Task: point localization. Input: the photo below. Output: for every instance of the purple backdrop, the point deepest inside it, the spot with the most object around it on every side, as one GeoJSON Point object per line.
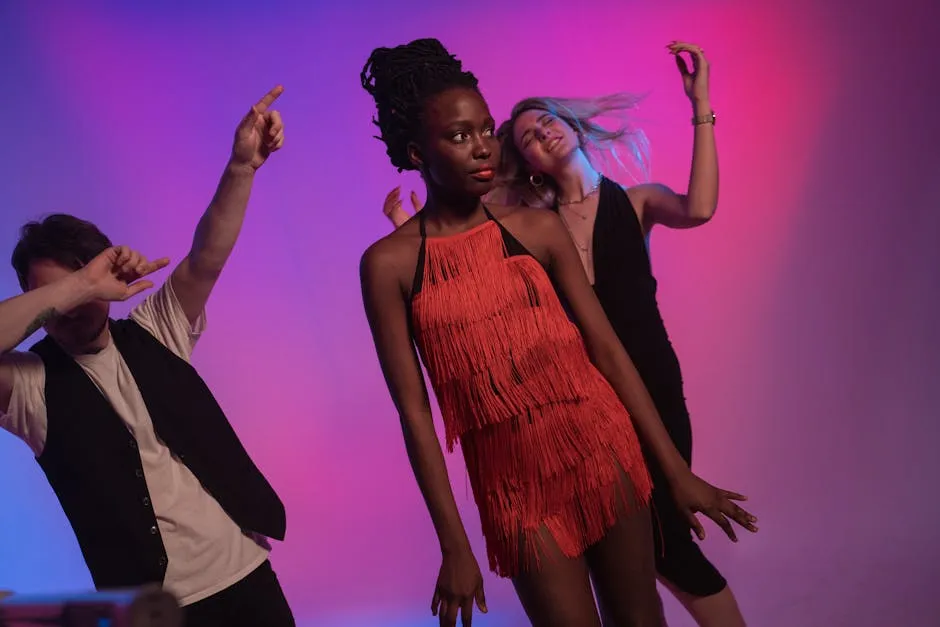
{"type": "Point", "coordinates": [804, 313]}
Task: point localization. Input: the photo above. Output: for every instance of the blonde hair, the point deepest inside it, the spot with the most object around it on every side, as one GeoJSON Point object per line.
{"type": "Point", "coordinates": [602, 146]}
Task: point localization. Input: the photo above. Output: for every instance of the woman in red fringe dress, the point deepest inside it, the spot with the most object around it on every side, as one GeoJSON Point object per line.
{"type": "Point", "coordinates": [538, 404]}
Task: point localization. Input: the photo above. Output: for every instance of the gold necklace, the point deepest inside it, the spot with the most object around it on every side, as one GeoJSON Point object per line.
{"type": "Point", "coordinates": [587, 194]}
{"type": "Point", "coordinates": [583, 247]}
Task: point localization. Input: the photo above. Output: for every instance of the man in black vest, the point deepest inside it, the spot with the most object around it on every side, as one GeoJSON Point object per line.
{"type": "Point", "coordinates": [150, 474]}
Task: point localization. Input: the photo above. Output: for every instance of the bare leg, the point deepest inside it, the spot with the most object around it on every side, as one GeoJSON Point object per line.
{"type": "Point", "coordinates": [558, 593]}
{"type": "Point", "coordinates": [607, 620]}
{"type": "Point", "coordinates": [716, 610]}
{"type": "Point", "coordinates": [624, 570]}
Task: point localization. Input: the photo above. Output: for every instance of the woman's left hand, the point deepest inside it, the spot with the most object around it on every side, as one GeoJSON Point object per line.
{"type": "Point", "coordinates": [693, 495]}
{"type": "Point", "coordinates": [696, 81]}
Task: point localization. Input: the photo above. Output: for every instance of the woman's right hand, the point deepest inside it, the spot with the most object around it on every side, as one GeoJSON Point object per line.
{"type": "Point", "coordinates": [693, 495]}
{"type": "Point", "coordinates": [459, 586]}
{"type": "Point", "coordinates": [393, 209]}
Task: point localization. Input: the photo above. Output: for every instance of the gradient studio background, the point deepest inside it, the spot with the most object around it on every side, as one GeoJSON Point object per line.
{"type": "Point", "coordinates": [804, 314]}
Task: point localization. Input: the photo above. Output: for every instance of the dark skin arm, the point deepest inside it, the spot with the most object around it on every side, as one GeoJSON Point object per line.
{"type": "Point", "coordinates": [611, 359]}
{"type": "Point", "coordinates": [382, 271]}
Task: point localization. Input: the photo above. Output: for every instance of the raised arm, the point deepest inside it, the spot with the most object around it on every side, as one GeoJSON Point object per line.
{"type": "Point", "coordinates": [608, 355]}
{"type": "Point", "coordinates": [260, 133]}
{"type": "Point", "coordinates": [113, 275]}
{"type": "Point", "coordinates": [657, 204]}
{"type": "Point", "coordinates": [460, 581]}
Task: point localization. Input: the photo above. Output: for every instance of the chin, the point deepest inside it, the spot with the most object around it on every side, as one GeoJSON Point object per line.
{"type": "Point", "coordinates": [77, 339]}
{"type": "Point", "coordinates": [483, 190]}
{"type": "Point", "coordinates": [480, 188]}
{"type": "Point", "coordinates": [563, 157]}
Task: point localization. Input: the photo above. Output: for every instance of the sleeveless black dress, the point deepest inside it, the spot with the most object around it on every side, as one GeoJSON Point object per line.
{"type": "Point", "coordinates": [626, 288]}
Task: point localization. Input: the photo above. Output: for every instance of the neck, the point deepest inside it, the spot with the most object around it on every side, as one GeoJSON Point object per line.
{"type": "Point", "coordinates": [93, 347]}
{"type": "Point", "coordinates": [450, 210]}
{"type": "Point", "coordinates": [576, 179]}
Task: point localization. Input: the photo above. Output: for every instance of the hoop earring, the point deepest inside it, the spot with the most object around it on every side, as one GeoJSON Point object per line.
{"type": "Point", "coordinates": [536, 180]}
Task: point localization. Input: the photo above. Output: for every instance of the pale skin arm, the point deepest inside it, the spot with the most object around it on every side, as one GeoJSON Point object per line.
{"type": "Point", "coordinates": [259, 134]}
{"type": "Point", "coordinates": [611, 359]}
{"type": "Point", "coordinates": [113, 275]}
{"type": "Point", "coordinates": [23, 315]}
{"type": "Point", "coordinates": [658, 204]}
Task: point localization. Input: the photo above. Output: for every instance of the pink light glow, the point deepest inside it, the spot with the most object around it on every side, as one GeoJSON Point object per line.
{"type": "Point", "coordinates": [779, 321]}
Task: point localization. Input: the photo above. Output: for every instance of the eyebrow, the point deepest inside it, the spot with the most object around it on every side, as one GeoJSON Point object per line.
{"type": "Point", "coordinates": [538, 120]}
{"type": "Point", "coordinates": [456, 125]}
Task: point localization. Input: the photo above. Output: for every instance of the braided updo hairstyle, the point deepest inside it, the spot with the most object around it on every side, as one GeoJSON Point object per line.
{"type": "Point", "coordinates": [400, 80]}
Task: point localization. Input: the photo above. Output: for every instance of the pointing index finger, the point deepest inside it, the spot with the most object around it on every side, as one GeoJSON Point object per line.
{"type": "Point", "coordinates": [269, 99]}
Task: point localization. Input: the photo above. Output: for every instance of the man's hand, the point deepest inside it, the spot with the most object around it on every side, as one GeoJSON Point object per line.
{"type": "Point", "coordinates": [260, 133]}
{"type": "Point", "coordinates": [116, 274]}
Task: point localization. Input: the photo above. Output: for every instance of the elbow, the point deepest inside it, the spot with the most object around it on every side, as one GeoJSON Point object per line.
{"type": "Point", "coordinates": [416, 424]}
{"type": "Point", "coordinates": [206, 266]}
{"type": "Point", "coordinates": [419, 435]}
{"type": "Point", "coordinates": [605, 358]}
{"type": "Point", "coordinates": [695, 208]}
{"type": "Point", "coordinates": [702, 210]}
{"type": "Point", "coordinates": [709, 212]}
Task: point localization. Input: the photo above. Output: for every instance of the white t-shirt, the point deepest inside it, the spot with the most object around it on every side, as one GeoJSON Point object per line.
{"type": "Point", "coordinates": [206, 550]}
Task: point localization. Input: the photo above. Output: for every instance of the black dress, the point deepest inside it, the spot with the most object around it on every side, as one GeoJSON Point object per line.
{"type": "Point", "coordinates": [626, 288]}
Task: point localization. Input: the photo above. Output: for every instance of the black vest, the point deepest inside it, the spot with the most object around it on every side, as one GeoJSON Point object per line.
{"type": "Point", "coordinates": [92, 462]}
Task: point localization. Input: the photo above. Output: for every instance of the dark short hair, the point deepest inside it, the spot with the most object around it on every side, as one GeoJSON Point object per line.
{"type": "Point", "coordinates": [400, 80]}
{"type": "Point", "coordinates": [64, 239]}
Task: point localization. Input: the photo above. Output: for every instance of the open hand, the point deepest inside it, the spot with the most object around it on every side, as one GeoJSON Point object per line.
{"type": "Point", "coordinates": [459, 586]}
{"type": "Point", "coordinates": [393, 209]}
{"type": "Point", "coordinates": [694, 82]}
{"type": "Point", "coordinates": [260, 132]}
{"type": "Point", "coordinates": [693, 495]}
{"type": "Point", "coordinates": [116, 273]}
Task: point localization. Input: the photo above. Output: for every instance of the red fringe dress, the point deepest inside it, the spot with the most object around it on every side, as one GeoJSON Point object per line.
{"type": "Point", "coordinates": [546, 439]}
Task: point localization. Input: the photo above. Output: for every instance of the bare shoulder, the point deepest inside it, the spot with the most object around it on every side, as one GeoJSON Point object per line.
{"type": "Point", "coordinates": [539, 230]}
{"type": "Point", "coordinates": [394, 256]}
{"type": "Point", "coordinates": [534, 220]}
